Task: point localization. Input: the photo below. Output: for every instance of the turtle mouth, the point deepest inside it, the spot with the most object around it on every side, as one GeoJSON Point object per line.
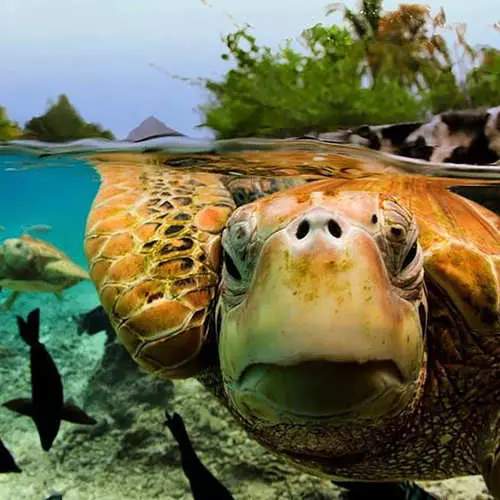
{"type": "Point", "coordinates": [320, 390]}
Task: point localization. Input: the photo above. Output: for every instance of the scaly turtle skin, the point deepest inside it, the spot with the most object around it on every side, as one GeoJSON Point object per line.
{"type": "Point", "coordinates": [29, 264]}
{"type": "Point", "coordinates": [353, 328]}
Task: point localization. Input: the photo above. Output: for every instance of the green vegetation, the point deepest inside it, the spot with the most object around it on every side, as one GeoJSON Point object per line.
{"type": "Point", "coordinates": [60, 123]}
{"type": "Point", "coordinates": [382, 68]}
{"type": "Point", "coordinates": [8, 128]}
{"type": "Point", "coordinates": [483, 82]}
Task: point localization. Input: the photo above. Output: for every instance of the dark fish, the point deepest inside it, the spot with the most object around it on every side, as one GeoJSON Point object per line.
{"type": "Point", "coordinates": [388, 491]}
{"type": "Point", "coordinates": [46, 385]}
{"type": "Point", "coordinates": [7, 462]}
{"type": "Point", "coordinates": [93, 322]}
{"type": "Point", "coordinates": [46, 406]}
{"type": "Point", "coordinates": [204, 485]}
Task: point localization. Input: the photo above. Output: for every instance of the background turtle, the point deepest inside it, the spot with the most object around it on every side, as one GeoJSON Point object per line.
{"type": "Point", "coordinates": [353, 326]}
{"type": "Point", "coordinates": [29, 264]}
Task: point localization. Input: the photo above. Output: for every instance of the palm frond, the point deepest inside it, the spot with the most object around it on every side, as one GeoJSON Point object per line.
{"type": "Point", "coordinates": [357, 23]}
{"type": "Point", "coordinates": [372, 11]}
{"type": "Point", "coordinates": [331, 8]}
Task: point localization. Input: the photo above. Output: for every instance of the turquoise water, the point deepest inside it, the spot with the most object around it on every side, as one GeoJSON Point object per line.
{"type": "Point", "coordinates": [59, 196]}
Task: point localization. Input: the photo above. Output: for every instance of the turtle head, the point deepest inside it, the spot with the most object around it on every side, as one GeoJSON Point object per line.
{"type": "Point", "coordinates": [322, 309]}
{"type": "Point", "coordinates": [17, 253]}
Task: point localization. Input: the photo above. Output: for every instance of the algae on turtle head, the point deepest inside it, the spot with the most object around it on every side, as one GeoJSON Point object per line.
{"type": "Point", "coordinates": [353, 328]}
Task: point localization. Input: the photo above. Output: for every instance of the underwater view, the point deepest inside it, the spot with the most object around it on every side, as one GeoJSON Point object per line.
{"type": "Point", "coordinates": [296, 297]}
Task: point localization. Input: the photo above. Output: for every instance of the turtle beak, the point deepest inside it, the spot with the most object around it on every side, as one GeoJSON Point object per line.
{"type": "Point", "coordinates": [322, 331]}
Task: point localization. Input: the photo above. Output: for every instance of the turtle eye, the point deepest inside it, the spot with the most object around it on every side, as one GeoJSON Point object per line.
{"type": "Point", "coordinates": [241, 234]}
{"type": "Point", "coordinates": [410, 256]}
{"type": "Point", "coordinates": [231, 266]}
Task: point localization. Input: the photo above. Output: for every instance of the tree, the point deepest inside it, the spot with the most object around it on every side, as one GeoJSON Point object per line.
{"type": "Point", "coordinates": [383, 67]}
{"type": "Point", "coordinates": [8, 129]}
{"type": "Point", "coordinates": [364, 26]}
{"type": "Point", "coordinates": [402, 44]}
{"type": "Point", "coordinates": [61, 122]}
{"type": "Point", "coordinates": [483, 82]}
{"type": "Point", "coordinates": [286, 92]}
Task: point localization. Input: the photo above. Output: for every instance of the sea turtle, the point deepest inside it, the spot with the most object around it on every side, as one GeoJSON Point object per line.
{"type": "Point", "coordinates": [29, 264]}
{"type": "Point", "coordinates": [352, 326]}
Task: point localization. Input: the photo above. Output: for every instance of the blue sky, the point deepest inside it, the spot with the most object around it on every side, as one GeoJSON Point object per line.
{"type": "Point", "coordinates": [99, 52]}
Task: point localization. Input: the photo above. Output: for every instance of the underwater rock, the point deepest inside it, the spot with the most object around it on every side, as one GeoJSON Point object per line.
{"type": "Point", "coordinates": [118, 387]}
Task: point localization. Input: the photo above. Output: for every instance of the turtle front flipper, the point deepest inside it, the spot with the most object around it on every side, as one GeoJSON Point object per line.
{"type": "Point", "coordinates": [153, 246]}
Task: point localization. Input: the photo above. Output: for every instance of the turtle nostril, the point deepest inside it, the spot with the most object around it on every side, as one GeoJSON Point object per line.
{"type": "Point", "coordinates": [302, 230]}
{"type": "Point", "coordinates": [334, 229]}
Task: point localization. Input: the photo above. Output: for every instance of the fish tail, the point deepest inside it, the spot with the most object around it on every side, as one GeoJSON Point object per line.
{"type": "Point", "coordinates": [30, 329]}
{"type": "Point", "coordinates": [23, 406]}
{"type": "Point", "coordinates": [74, 414]}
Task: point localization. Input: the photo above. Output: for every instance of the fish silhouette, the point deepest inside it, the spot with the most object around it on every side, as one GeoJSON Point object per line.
{"type": "Point", "coordinates": [46, 406]}
{"type": "Point", "coordinates": [204, 485]}
{"type": "Point", "coordinates": [7, 462]}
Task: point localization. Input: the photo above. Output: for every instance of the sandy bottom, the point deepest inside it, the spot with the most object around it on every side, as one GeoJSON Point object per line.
{"type": "Point", "coordinates": [137, 458]}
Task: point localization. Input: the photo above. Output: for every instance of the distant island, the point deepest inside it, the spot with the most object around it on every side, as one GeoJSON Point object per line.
{"type": "Point", "coordinates": [150, 128]}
